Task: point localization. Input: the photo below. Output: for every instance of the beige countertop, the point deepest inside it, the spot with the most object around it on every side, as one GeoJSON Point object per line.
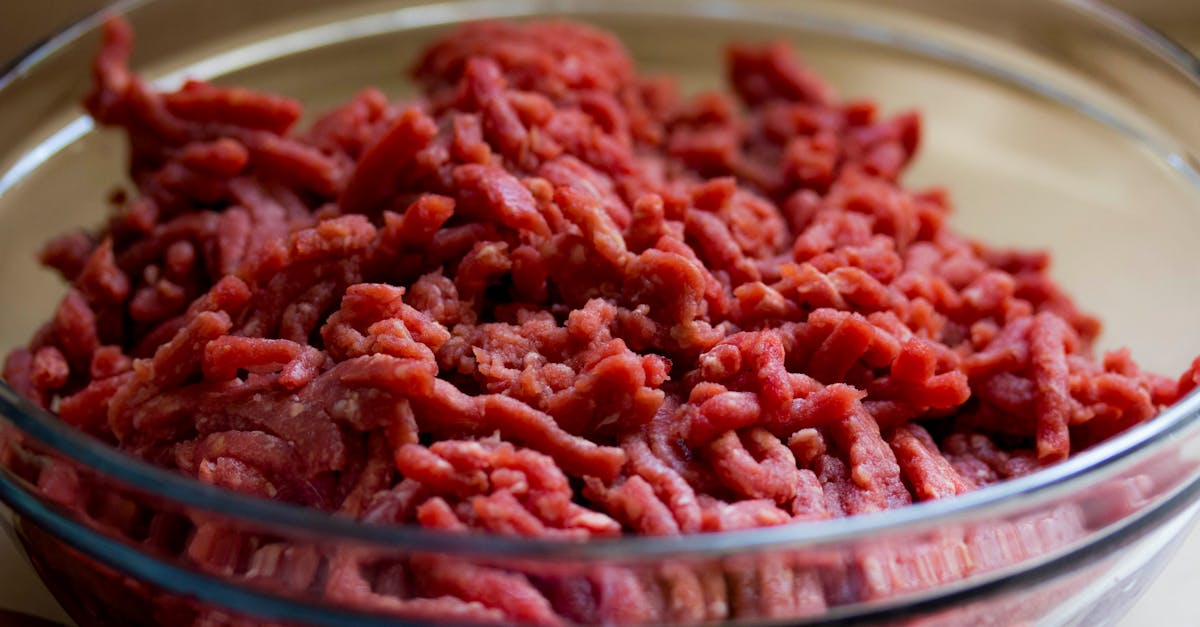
{"type": "Point", "coordinates": [1170, 601]}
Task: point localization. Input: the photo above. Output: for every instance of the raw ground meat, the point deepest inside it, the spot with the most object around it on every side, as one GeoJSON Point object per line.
{"type": "Point", "coordinates": [553, 298]}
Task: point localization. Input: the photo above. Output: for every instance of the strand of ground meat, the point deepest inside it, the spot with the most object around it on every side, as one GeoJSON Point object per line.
{"type": "Point", "coordinates": [552, 298]}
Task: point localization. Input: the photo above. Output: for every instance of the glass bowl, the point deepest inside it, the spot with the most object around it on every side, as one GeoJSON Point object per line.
{"type": "Point", "coordinates": [1057, 124]}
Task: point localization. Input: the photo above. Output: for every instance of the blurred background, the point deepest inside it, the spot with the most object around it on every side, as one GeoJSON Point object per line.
{"type": "Point", "coordinates": [25, 22]}
{"type": "Point", "coordinates": [1170, 602]}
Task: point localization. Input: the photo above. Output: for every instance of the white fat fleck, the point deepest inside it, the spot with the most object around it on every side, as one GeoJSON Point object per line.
{"type": "Point", "coordinates": [571, 65]}
{"type": "Point", "coordinates": [612, 240]}
{"type": "Point", "coordinates": [609, 419]}
{"type": "Point", "coordinates": [861, 477]}
{"type": "Point", "coordinates": [346, 406]}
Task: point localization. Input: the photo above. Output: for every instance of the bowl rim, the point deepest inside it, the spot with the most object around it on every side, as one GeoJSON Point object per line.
{"type": "Point", "coordinates": [1008, 497]}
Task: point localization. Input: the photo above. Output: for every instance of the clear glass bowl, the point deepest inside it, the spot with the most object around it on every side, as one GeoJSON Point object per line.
{"type": "Point", "coordinates": [1058, 124]}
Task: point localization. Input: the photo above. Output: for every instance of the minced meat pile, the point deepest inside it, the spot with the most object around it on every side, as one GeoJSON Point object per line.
{"type": "Point", "coordinates": [552, 297]}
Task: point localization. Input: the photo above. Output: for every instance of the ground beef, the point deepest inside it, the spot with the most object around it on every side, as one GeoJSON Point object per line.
{"type": "Point", "coordinates": [553, 298]}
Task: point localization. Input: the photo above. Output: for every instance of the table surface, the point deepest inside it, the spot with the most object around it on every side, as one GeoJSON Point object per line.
{"type": "Point", "coordinates": [1168, 603]}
